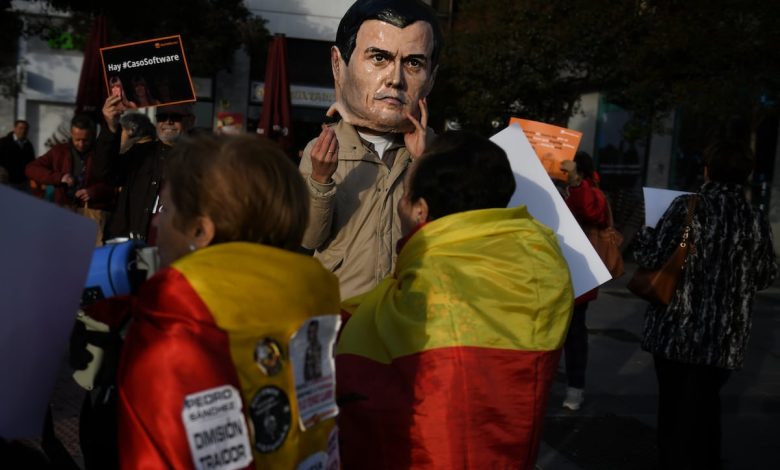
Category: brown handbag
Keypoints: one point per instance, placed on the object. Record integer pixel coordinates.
(659, 285)
(606, 242)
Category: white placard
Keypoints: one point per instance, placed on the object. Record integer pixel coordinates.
(311, 355)
(657, 201)
(216, 429)
(536, 191)
(45, 252)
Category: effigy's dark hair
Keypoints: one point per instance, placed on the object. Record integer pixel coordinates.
(399, 13)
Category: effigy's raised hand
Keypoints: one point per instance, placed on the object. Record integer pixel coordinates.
(415, 139)
(324, 156)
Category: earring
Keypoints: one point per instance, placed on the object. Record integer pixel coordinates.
(192, 247)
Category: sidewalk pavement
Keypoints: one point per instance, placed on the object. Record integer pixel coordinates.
(615, 429)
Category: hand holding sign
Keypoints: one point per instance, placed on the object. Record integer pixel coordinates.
(148, 73)
(552, 144)
(112, 110)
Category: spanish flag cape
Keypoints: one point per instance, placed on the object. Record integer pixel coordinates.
(448, 362)
(195, 327)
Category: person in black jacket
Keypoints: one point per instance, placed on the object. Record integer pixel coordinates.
(701, 337)
(139, 170)
(15, 153)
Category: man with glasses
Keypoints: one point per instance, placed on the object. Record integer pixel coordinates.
(138, 171)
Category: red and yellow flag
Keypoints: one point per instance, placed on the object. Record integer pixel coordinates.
(448, 363)
(206, 379)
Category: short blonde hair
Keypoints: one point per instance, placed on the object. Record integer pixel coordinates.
(245, 184)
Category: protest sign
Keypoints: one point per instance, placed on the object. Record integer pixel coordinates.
(46, 252)
(148, 73)
(536, 191)
(552, 144)
(657, 201)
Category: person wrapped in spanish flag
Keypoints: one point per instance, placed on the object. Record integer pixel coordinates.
(211, 373)
(448, 362)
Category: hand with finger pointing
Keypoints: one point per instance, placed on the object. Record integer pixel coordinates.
(324, 156)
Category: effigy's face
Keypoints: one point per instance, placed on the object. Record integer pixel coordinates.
(389, 71)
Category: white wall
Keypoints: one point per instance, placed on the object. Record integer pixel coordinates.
(585, 121)
(659, 159)
(48, 122)
(49, 74)
(50, 80)
(305, 19)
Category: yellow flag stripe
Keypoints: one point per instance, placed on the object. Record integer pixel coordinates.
(493, 278)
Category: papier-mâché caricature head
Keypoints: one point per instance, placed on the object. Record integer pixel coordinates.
(384, 61)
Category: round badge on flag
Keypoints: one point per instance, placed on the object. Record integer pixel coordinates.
(268, 356)
(271, 416)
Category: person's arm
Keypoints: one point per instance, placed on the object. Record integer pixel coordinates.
(98, 193)
(107, 164)
(41, 170)
(29, 153)
(318, 164)
(164, 364)
(160, 373)
(653, 246)
(588, 204)
(766, 262)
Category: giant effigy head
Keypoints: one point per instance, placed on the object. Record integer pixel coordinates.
(384, 61)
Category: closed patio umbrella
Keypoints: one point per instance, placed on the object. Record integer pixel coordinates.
(276, 122)
(91, 92)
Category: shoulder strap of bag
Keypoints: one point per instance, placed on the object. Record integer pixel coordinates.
(692, 202)
(610, 221)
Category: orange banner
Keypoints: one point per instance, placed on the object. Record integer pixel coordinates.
(552, 144)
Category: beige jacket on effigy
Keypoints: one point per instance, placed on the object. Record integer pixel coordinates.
(353, 224)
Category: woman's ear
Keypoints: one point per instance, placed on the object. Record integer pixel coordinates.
(420, 210)
(202, 231)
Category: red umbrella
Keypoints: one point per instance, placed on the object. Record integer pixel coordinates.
(275, 123)
(92, 93)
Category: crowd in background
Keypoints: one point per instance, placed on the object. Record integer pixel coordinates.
(420, 277)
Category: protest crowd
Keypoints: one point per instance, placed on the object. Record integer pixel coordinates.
(382, 304)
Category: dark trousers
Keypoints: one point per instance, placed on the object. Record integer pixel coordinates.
(576, 347)
(689, 430)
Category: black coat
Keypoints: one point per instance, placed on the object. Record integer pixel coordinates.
(14, 158)
(709, 319)
(139, 173)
